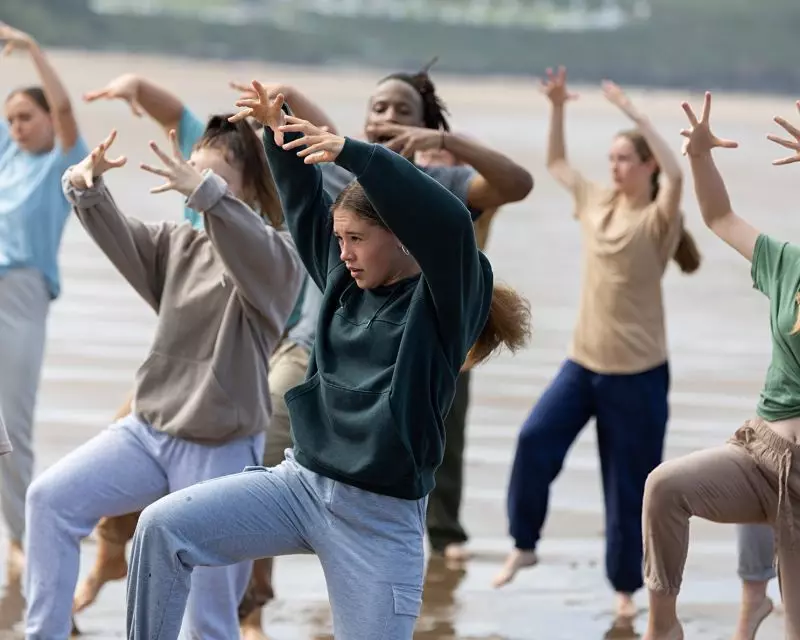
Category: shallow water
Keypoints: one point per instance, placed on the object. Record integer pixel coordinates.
(99, 332)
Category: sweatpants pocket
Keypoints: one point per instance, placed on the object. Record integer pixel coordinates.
(407, 600)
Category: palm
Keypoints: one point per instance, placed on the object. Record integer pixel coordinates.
(699, 138)
(96, 163)
(555, 87)
(267, 111)
(122, 89)
(14, 38)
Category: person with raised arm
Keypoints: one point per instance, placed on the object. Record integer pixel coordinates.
(39, 139)
(617, 370)
(408, 300)
(754, 478)
(201, 398)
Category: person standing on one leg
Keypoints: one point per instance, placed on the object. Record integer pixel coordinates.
(755, 477)
(617, 370)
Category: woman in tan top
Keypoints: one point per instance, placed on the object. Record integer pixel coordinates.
(617, 369)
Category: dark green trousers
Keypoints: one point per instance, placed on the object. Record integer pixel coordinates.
(444, 502)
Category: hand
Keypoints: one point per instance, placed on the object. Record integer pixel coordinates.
(616, 96)
(15, 39)
(181, 176)
(320, 145)
(699, 139)
(406, 140)
(95, 164)
(126, 88)
(794, 145)
(555, 87)
(266, 110)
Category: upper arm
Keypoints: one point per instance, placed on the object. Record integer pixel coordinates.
(736, 232)
(66, 127)
(573, 181)
(189, 129)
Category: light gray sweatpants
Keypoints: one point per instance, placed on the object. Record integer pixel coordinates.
(121, 470)
(24, 304)
(756, 547)
(370, 547)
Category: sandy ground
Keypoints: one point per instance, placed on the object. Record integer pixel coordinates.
(718, 330)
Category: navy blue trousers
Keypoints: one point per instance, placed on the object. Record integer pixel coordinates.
(631, 413)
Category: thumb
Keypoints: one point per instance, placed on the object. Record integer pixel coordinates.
(136, 107)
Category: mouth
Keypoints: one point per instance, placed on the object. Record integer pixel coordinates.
(355, 273)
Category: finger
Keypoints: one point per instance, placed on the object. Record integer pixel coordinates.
(161, 155)
(91, 96)
(88, 176)
(261, 92)
(316, 158)
(156, 170)
(299, 127)
(789, 144)
(684, 147)
(299, 142)
(689, 113)
(249, 103)
(726, 144)
(706, 113)
(787, 160)
(117, 162)
(790, 128)
(312, 149)
(686, 133)
(277, 103)
(325, 128)
(395, 144)
(408, 149)
(163, 188)
(295, 120)
(109, 140)
(244, 113)
(797, 104)
(240, 86)
(176, 149)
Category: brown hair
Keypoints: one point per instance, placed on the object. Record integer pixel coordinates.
(244, 151)
(508, 322)
(687, 255)
(433, 109)
(34, 93)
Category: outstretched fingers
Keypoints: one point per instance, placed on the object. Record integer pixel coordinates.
(788, 127)
(687, 109)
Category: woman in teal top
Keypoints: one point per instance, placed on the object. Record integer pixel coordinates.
(406, 296)
(39, 139)
(755, 477)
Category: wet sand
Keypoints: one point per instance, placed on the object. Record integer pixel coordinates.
(718, 330)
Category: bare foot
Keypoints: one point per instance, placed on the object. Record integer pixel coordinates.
(105, 570)
(676, 633)
(250, 627)
(457, 551)
(751, 615)
(15, 562)
(516, 560)
(625, 607)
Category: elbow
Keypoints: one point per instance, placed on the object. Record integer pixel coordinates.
(521, 186)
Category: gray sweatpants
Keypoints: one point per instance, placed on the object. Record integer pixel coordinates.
(24, 304)
(124, 468)
(756, 547)
(370, 547)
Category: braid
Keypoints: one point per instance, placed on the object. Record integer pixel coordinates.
(433, 109)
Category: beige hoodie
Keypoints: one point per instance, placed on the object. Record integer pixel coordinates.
(222, 296)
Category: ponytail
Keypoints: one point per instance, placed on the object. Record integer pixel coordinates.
(687, 255)
(508, 325)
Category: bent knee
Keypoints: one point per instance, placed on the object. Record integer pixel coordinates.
(664, 489)
(48, 494)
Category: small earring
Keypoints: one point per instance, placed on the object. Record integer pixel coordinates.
(403, 249)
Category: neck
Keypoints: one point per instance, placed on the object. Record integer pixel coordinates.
(405, 271)
(636, 200)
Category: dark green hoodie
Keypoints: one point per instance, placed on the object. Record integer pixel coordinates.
(382, 373)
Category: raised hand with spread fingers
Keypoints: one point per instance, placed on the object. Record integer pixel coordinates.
(794, 144)
(699, 138)
(181, 175)
(320, 145)
(95, 164)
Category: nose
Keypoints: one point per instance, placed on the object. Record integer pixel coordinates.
(345, 253)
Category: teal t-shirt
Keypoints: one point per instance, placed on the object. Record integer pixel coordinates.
(190, 130)
(776, 274)
(33, 209)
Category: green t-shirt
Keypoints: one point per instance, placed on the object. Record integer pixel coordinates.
(776, 274)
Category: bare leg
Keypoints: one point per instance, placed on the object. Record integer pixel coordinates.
(755, 608)
(109, 565)
(259, 592)
(516, 560)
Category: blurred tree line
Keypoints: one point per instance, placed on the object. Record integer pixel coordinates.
(729, 44)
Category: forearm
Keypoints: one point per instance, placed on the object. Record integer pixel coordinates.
(303, 107)
(506, 177)
(666, 159)
(556, 147)
(262, 261)
(57, 96)
(710, 190)
(160, 104)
